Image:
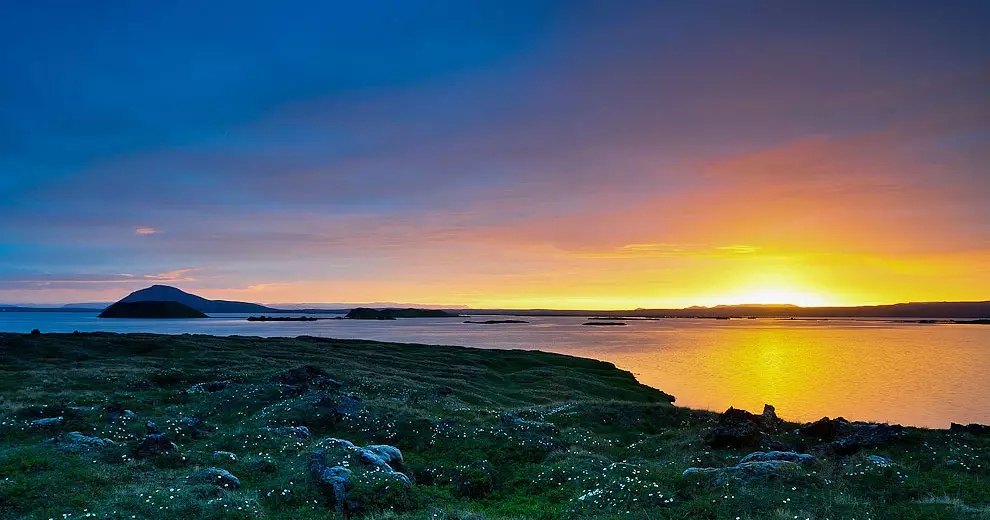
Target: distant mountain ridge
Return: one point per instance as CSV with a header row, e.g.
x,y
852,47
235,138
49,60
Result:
x,y
365,313
340,306
87,305
937,310
160,293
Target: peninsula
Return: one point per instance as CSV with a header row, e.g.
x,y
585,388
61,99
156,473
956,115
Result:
x,y
199,427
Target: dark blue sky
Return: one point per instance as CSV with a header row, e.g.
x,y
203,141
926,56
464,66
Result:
x,y
486,152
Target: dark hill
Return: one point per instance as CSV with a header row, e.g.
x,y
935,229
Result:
x,y
151,310
365,313
161,293
935,310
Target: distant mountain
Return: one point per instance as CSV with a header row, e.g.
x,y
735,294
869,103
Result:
x,y
337,306
151,310
161,293
936,310
944,310
22,308
87,305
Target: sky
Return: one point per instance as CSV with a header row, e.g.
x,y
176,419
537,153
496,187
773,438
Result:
x,y
510,154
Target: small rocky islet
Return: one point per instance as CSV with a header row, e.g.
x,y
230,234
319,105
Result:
x,y
116,426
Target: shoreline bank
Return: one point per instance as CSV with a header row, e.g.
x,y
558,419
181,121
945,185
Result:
x,y
103,422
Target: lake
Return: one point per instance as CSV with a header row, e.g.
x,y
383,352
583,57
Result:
x,y
908,373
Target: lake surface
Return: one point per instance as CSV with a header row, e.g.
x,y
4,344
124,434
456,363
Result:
x,y
909,373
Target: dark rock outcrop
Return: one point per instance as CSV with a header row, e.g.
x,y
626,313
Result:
x,y
738,428
301,375
155,445
975,429
336,408
842,437
735,429
769,422
116,411
194,427
298,380
824,429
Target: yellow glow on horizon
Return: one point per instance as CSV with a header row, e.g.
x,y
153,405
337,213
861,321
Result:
x,y
777,296
565,282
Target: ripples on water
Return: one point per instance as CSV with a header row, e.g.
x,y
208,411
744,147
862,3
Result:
x,y
917,374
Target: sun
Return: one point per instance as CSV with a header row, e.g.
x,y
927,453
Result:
x,y
777,288
778,297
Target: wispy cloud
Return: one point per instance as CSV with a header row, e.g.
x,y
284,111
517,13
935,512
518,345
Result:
x,y
41,281
670,251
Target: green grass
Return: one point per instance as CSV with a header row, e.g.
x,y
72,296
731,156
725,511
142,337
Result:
x,y
593,443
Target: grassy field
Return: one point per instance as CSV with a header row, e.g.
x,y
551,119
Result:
x,y
484,434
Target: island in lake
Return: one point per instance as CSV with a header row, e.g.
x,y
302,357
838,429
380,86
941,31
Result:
x,y
169,293
151,310
496,322
366,313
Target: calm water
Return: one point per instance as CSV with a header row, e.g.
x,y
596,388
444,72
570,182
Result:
x,y
925,375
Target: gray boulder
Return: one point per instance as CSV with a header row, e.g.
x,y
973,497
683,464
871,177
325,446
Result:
x,y
75,441
376,456
333,481
755,465
390,454
218,477
226,454
47,422
341,464
340,443
788,456
880,461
